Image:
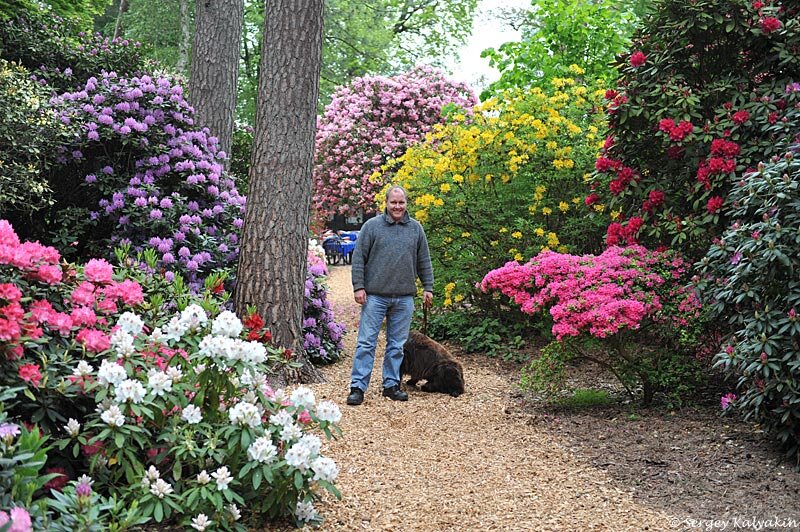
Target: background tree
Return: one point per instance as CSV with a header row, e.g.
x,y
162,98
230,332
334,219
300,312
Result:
x,y
215,66
560,33
272,263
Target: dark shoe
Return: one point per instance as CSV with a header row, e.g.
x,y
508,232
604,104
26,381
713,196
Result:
x,y
356,397
395,393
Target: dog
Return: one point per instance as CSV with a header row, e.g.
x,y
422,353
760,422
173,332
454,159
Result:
x,y
427,359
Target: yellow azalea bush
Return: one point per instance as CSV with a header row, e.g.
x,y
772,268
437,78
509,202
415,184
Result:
x,y
505,183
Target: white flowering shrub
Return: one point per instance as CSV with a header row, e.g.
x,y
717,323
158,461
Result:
x,y
188,428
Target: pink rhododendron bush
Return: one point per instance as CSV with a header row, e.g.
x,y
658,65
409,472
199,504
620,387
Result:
x,y
369,122
132,400
620,309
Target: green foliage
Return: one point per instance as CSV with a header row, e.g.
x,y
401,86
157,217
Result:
x,y
62,55
241,150
81,11
29,133
478,333
560,33
751,281
586,398
702,98
504,183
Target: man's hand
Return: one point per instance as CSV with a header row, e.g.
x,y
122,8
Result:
x,y
427,298
361,296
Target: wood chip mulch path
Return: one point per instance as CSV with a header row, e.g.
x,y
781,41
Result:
x,y
437,463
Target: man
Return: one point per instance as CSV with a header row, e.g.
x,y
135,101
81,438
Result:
x,y
391,253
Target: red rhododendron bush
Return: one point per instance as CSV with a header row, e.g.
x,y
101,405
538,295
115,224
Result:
x,y
369,122
706,93
619,309
126,398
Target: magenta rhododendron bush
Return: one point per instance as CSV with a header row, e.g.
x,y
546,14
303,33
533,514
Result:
x,y
631,299
599,295
373,120
44,303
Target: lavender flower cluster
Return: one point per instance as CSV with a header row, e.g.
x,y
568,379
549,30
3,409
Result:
x,y
159,181
322,333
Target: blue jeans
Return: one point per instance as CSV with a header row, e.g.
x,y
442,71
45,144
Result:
x,y
398,311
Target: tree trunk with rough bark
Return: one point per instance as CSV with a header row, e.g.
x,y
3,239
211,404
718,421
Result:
x,y
272,262
215,66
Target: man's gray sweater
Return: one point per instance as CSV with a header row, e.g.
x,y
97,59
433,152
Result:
x,y
389,256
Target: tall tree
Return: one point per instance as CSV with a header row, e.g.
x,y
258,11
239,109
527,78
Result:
x,y
215,67
272,262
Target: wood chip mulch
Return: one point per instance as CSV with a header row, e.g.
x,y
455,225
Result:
x,y
437,463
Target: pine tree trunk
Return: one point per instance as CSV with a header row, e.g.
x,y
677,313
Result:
x,y
215,66
186,36
272,261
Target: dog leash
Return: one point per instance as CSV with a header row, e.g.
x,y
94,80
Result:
x,y
425,318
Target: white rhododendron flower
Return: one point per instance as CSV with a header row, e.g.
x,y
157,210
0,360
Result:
x,y
244,413
175,374
313,443
159,382
129,390
174,329
291,432
110,373
305,511
236,514
203,477
160,488
83,369
299,457
282,418
193,316
328,411
227,324
192,415
72,427
303,396
262,450
122,343
150,476
201,522
324,469
113,416
130,323
223,477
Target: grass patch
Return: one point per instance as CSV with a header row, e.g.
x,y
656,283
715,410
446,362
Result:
x,y
586,398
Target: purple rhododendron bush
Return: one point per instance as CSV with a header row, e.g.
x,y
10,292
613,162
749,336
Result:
x,y
620,309
139,173
130,400
369,122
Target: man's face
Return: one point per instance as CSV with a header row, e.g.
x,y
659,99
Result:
x,y
396,204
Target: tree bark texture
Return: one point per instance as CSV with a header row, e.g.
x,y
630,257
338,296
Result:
x,y
273,253
186,37
215,66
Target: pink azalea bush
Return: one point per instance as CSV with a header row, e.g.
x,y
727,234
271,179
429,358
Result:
x,y
621,295
369,122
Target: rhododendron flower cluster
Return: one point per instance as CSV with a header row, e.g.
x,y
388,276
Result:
x,y
322,334
81,316
371,121
163,186
691,124
597,295
219,388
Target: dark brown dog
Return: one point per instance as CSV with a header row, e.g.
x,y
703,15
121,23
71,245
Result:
x,y
426,359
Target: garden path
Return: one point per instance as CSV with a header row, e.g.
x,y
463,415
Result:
x,y
438,463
